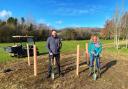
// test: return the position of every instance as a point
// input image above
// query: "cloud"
(41, 21)
(59, 22)
(5, 13)
(66, 11)
(75, 25)
(71, 9)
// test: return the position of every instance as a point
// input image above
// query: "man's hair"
(50, 31)
(53, 30)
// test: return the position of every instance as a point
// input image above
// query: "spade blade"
(94, 76)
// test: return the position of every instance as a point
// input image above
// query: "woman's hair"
(92, 36)
(98, 39)
(91, 39)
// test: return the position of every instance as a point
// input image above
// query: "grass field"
(68, 46)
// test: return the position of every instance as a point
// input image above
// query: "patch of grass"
(68, 46)
(107, 41)
(4, 56)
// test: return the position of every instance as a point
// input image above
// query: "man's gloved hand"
(50, 53)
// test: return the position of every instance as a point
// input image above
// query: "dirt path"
(114, 75)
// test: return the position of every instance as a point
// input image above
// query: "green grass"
(3, 55)
(68, 46)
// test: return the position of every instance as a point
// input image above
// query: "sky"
(62, 13)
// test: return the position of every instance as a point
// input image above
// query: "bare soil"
(18, 75)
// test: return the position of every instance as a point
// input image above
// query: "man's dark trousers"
(57, 59)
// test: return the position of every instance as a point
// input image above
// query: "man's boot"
(49, 75)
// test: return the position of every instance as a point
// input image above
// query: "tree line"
(13, 26)
(78, 33)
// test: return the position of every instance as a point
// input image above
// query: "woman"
(94, 49)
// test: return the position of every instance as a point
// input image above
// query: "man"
(95, 49)
(54, 45)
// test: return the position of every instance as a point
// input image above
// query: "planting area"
(16, 74)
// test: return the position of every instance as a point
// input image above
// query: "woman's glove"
(94, 53)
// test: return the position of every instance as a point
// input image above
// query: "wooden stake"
(86, 47)
(35, 60)
(87, 54)
(54, 61)
(28, 54)
(77, 61)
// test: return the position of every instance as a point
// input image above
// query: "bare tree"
(116, 28)
(119, 26)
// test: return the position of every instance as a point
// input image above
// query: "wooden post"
(35, 60)
(28, 54)
(87, 54)
(54, 61)
(77, 61)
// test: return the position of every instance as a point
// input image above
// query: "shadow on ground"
(108, 65)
